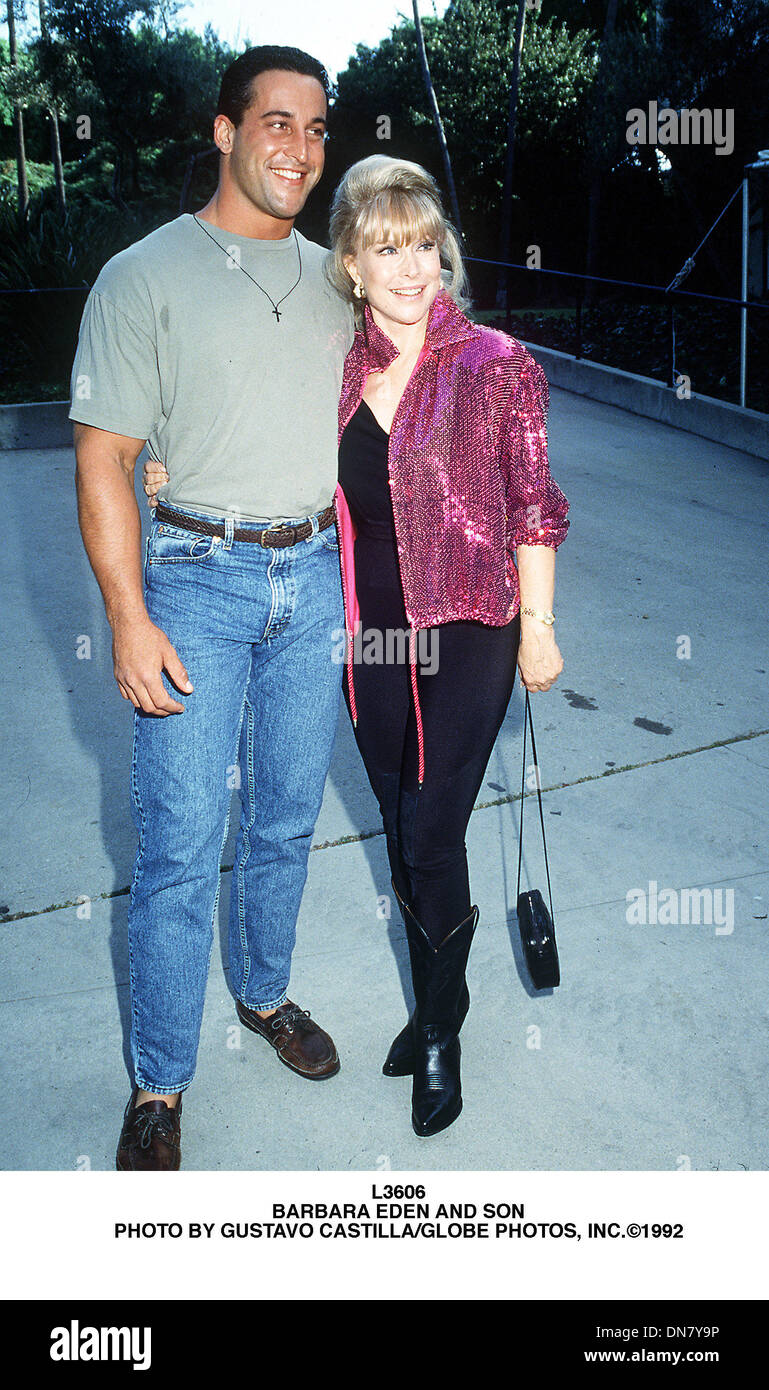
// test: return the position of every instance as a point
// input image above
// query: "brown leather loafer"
(151, 1136)
(299, 1043)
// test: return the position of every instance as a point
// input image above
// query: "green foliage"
(6, 105)
(471, 61)
(58, 260)
(630, 78)
(591, 14)
(49, 252)
(141, 81)
(150, 90)
(16, 83)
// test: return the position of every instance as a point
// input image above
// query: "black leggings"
(463, 703)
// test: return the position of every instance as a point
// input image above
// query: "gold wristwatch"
(548, 618)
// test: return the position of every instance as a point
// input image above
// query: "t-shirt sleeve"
(115, 378)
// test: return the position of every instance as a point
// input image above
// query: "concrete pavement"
(655, 745)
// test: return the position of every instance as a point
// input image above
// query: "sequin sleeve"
(536, 507)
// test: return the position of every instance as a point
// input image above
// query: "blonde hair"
(386, 199)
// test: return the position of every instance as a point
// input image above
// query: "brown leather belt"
(275, 537)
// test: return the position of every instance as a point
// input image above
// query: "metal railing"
(45, 323)
(571, 287)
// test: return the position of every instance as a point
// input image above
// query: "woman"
(443, 472)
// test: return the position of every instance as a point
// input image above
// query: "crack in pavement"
(479, 806)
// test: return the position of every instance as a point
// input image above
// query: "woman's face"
(400, 282)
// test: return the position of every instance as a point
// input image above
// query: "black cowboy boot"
(400, 1058)
(438, 976)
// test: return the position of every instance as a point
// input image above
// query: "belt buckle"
(276, 531)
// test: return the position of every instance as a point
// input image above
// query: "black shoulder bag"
(534, 921)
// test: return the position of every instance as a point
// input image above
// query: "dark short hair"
(235, 93)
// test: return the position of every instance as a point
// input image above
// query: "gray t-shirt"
(178, 347)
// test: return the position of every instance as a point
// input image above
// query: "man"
(218, 341)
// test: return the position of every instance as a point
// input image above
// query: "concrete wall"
(41, 425)
(703, 415)
(45, 425)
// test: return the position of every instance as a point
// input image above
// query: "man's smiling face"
(277, 152)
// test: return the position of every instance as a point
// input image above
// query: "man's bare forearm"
(109, 520)
(111, 528)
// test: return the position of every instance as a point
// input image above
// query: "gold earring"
(358, 290)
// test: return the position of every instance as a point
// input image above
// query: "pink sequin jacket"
(469, 474)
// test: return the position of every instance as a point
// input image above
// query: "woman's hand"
(154, 477)
(539, 661)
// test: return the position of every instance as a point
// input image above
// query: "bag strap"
(527, 715)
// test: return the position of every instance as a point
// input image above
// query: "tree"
(18, 120)
(714, 55)
(53, 118)
(433, 101)
(503, 290)
(471, 62)
(147, 83)
(117, 60)
(596, 173)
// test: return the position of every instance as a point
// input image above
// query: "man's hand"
(140, 652)
(539, 661)
(154, 477)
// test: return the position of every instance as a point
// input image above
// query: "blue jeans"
(255, 628)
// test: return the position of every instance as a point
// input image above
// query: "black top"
(363, 474)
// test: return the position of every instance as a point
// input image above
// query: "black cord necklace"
(275, 307)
